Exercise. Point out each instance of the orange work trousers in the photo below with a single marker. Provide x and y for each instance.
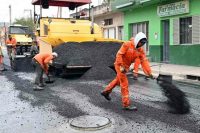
(122, 80)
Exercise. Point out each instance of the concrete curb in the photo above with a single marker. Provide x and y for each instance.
(180, 78)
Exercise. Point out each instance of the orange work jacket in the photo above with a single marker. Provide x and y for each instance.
(127, 55)
(12, 41)
(43, 60)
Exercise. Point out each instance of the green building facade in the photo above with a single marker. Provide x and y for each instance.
(172, 28)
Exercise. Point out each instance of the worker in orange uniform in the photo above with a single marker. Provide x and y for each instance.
(126, 55)
(1, 59)
(41, 63)
(11, 46)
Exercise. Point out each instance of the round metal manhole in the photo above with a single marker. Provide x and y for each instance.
(90, 123)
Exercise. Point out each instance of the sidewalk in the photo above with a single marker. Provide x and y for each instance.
(182, 73)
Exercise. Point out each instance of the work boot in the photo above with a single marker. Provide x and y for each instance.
(41, 85)
(38, 88)
(106, 95)
(135, 78)
(147, 77)
(130, 108)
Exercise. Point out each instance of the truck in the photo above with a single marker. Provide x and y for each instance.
(24, 42)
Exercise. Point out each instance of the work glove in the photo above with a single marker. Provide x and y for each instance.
(122, 69)
(151, 76)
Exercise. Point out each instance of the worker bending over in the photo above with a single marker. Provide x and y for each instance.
(41, 63)
(127, 54)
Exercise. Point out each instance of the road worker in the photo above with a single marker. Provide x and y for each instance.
(41, 63)
(1, 59)
(126, 55)
(11, 46)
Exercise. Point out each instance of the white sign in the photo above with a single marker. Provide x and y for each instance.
(181, 7)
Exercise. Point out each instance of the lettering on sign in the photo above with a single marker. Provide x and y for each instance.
(171, 9)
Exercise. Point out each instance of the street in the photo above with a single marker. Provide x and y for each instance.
(79, 46)
(52, 110)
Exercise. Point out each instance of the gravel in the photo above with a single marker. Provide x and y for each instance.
(99, 55)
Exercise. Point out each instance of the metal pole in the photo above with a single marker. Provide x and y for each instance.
(89, 11)
(76, 12)
(34, 14)
(31, 14)
(92, 24)
(10, 14)
(60, 12)
(40, 9)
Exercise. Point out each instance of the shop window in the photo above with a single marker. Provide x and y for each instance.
(108, 22)
(110, 33)
(186, 30)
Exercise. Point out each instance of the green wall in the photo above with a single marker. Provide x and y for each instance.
(186, 55)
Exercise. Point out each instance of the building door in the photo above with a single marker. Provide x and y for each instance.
(120, 32)
(111, 33)
(105, 33)
(165, 41)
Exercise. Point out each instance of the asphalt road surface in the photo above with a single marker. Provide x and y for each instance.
(23, 110)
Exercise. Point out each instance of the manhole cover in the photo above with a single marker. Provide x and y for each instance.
(90, 123)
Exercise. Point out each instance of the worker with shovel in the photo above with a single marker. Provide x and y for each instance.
(41, 63)
(126, 55)
(11, 46)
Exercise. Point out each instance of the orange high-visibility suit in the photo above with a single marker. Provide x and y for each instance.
(43, 60)
(11, 46)
(126, 55)
(12, 41)
(1, 59)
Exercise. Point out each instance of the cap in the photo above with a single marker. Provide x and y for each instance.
(55, 54)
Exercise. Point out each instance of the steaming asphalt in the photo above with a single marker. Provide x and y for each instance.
(51, 110)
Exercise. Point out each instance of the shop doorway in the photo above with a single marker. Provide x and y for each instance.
(165, 41)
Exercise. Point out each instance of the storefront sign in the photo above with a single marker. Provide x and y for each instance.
(173, 9)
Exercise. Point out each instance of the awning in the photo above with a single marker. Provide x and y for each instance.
(63, 3)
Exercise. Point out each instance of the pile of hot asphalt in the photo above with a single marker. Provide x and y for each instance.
(99, 55)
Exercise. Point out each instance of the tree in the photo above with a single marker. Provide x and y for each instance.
(25, 22)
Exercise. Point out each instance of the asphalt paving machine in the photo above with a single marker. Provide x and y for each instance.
(77, 41)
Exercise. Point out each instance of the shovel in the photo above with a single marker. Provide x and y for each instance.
(49, 81)
(176, 99)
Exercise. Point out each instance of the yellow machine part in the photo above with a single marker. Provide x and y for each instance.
(55, 31)
(22, 39)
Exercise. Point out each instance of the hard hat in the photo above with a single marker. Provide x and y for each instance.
(55, 54)
(140, 37)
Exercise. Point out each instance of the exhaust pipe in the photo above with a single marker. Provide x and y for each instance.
(92, 24)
